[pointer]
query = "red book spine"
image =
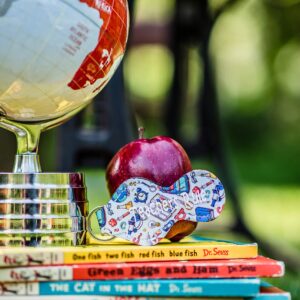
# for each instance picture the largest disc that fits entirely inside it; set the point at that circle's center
(232, 268)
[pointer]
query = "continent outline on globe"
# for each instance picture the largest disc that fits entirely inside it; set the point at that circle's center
(48, 80)
(99, 61)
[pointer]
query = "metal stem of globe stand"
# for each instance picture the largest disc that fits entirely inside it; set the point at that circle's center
(27, 163)
(28, 136)
(45, 209)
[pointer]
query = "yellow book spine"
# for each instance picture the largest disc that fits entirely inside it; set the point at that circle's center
(169, 252)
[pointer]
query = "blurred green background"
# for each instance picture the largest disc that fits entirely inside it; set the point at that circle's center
(255, 48)
(255, 51)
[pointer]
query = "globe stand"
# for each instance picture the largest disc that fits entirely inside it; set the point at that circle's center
(40, 209)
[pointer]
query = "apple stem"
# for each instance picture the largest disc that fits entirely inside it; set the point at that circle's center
(141, 132)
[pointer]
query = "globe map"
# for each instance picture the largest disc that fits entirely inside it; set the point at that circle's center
(56, 55)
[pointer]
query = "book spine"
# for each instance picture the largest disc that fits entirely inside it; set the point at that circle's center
(268, 292)
(176, 252)
(164, 252)
(262, 296)
(36, 273)
(76, 297)
(174, 269)
(179, 269)
(144, 288)
(24, 258)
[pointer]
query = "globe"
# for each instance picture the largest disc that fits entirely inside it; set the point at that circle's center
(56, 55)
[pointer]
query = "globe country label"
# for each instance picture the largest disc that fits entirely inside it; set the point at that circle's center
(55, 56)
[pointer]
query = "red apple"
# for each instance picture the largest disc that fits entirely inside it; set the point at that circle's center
(159, 159)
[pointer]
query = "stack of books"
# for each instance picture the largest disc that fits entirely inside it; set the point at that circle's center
(192, 268)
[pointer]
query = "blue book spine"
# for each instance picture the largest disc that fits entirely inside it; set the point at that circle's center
(279, 296)
(269, 292)
(166, 288)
